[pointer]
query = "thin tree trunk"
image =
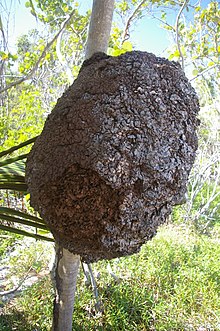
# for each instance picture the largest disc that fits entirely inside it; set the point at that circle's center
(67, 264)
(66, 271)
(100, 27)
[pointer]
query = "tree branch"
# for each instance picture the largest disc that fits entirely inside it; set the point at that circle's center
(177, 31)
(61, 58)
(204, 71)
(43, 54)
(132, 16)
(98, 305)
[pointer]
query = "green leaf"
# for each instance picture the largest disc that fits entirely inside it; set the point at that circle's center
(167, 27)
(211, 63)
(195, 72)
(127, 46)
(15, 148)
(24, 233)
(11, 211)
(163, 16)
(176, 53)
(13, 169)
(13, 160)
(14, 187)
(13, 219)
(12, 178)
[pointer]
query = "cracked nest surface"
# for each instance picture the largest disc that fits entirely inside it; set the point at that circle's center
(115, 154)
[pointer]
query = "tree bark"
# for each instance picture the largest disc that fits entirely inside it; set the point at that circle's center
(67, 264)
(100, 27)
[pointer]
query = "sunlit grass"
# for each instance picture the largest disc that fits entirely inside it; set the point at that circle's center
(172, 284)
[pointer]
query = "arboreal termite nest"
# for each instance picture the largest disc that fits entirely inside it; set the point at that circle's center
(115, 154)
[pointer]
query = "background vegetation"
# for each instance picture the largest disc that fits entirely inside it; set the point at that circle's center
(174, 282)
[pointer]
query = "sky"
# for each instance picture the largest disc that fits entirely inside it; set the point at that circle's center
(146, 35)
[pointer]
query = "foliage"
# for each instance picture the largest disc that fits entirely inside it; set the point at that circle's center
(202, 207)
(30, 257)
(197, 46)
(172, 284)
(8, 243)
(26, 263)
(37, 61)
(12, 178)
(25, 107)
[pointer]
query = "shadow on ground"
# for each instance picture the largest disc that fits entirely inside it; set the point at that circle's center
(15, 320)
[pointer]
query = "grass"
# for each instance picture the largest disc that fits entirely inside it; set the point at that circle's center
(173, 284)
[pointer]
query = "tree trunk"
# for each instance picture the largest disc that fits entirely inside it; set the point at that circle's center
(100, 27)
(66, 271)
(67, 264)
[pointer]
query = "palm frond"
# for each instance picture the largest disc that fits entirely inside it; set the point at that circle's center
(15, 148)
(19, 220)
(13, 212)
(12, 177)
(13, 160)
(24, 233)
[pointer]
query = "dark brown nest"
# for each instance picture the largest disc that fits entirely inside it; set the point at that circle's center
(115, 154)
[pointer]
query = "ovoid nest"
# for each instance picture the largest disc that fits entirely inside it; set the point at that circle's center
(115, 154)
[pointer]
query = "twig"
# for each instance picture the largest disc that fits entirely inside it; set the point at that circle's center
(61, 58)
(14, 76)
(18, 286)
(160, 20)
(86, 273)
(197, 185)
(98, 305)
(177, 31)
(90, 280)
(43, 54)
(124, 37)
(111, 273)
(206, 86)
(204, 71)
